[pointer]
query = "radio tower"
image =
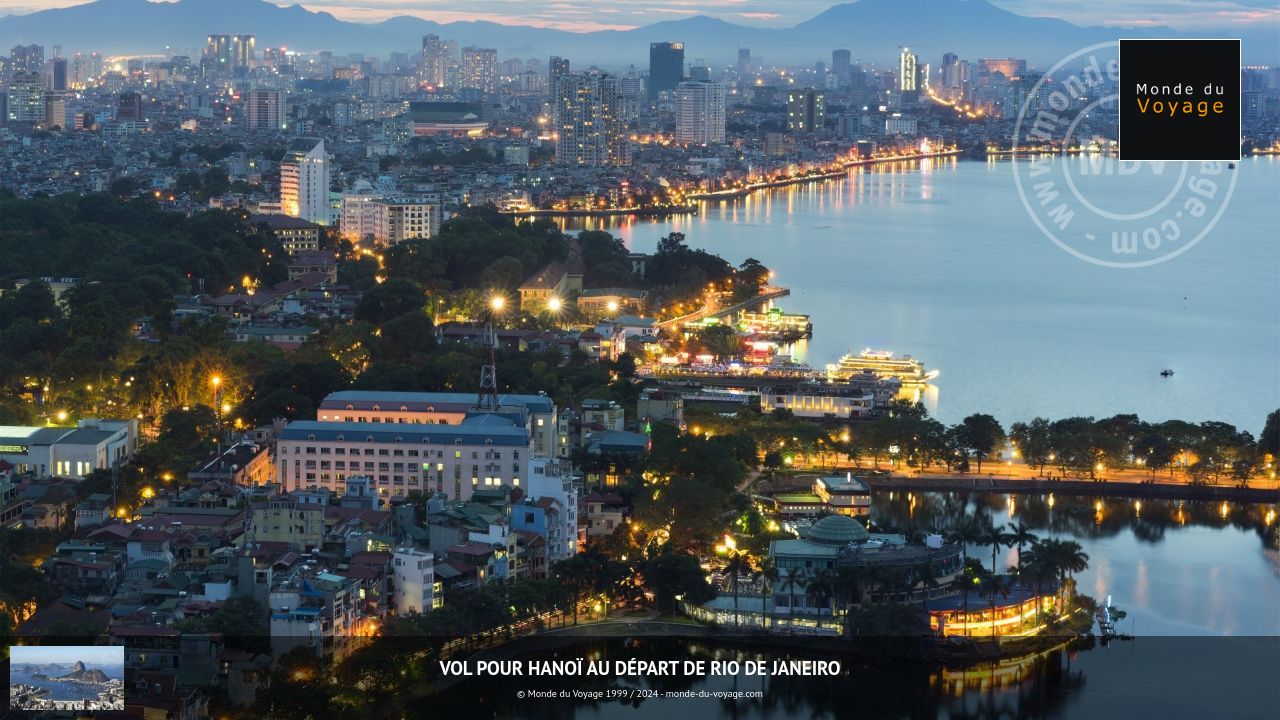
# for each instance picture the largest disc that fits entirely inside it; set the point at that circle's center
(487, 397)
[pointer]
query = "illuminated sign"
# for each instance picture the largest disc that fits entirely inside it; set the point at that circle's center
(13, 449)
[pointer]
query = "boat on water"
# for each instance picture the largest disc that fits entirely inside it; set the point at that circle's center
(884, 364)
(1166, 373)
(1105, 617)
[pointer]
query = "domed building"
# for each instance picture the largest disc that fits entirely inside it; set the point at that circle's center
(837, 530)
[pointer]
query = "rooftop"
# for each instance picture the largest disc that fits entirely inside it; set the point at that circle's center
(507, 435)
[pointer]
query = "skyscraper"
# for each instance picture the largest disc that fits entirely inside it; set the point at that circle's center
(230, 51)
(304, 181)
(906, 71)
(699, 113)
(806, 110)
(840, 65)
(55, 110)
(264, 110)
(243, 50)
(218, 50)
(480, 69)
(744, 61)
(56, 75)
(434, 61)
(26, 59)
(590, 129)
(666, 67)
(26, 97)
(556, 68)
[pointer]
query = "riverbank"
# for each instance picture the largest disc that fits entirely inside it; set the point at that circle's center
(745, 190)
(1040, 486)
(657, 212)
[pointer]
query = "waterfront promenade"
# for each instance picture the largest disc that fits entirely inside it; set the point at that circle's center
(1020, 478)
(983, 482)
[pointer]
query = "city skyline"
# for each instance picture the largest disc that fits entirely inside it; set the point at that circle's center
(578, 16)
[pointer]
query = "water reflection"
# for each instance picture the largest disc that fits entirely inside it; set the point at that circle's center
(1177, 567)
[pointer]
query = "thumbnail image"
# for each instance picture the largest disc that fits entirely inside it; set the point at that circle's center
(66, 677)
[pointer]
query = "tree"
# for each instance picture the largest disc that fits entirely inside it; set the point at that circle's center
(790, 579)
(927, 575)
(1032, 441)
(768, 574)
(671, 574)
(981, 434)
(1269, 440)
(719, 340)
(1156, 452)
(390, 299)
(750, 277)
(822, 587)
(505, 273)
(966, 532)
(739, 564)
(1066, 557)
(1019, 535)
(995, 536)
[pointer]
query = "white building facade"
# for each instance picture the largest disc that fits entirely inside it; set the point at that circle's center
(304, 181)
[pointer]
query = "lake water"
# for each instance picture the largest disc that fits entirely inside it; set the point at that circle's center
(1178, 568)
(67, 690)
(1199, 582)
(940, 260)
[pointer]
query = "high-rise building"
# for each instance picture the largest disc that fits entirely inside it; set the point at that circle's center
(806, 110)
(906, 71)
(26, 59)
(556, 67)
(589, 122)
(264, 110)
(304, 181)
(242, 50)
(129, 107)
(744, 61)
(840, 60)
(56, 75)
(55, 110)
(700, 115)
(218, 49)
(480, 69)
(26, 98)
(230, 51)
(434, 61)
(666, 67)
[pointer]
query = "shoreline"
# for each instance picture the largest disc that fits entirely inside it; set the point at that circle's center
(721, 195)
(1160, 491)
(816, 177)
(605, 212)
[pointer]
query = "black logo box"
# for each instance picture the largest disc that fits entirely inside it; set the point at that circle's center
(1197, 65)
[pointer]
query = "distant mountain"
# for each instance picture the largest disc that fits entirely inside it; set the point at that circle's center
(871, 29)
(81, 674)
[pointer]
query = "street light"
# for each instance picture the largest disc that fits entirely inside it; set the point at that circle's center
(497, 302)
(554, 304)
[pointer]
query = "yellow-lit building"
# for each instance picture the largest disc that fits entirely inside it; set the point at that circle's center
(1017, 613)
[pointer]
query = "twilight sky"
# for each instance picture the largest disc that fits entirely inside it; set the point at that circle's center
(624, 14)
